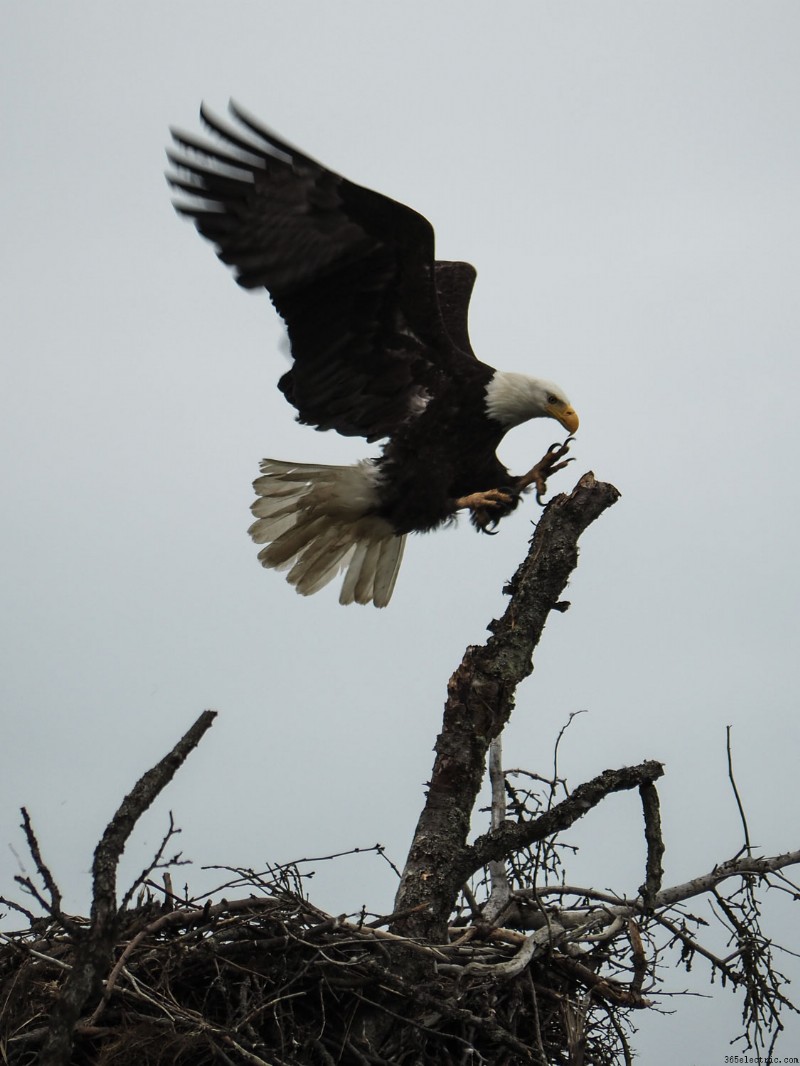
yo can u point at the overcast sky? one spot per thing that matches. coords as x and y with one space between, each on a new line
625 178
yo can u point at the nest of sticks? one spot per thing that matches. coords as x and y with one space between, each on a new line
272 980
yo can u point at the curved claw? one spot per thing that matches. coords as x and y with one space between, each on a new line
562 446
489 506
541 489
546 466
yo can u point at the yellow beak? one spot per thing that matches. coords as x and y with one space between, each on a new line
565 415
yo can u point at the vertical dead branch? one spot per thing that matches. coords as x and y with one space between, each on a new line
501 890
654 871
94 948
479 702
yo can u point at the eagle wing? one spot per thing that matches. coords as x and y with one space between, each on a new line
374 323
454 284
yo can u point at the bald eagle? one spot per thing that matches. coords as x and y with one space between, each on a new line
380 350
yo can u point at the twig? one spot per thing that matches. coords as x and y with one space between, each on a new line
623 1043
41 866
387 919
18 908
23 949
154 863
695 946
573 715
248 1056
737 797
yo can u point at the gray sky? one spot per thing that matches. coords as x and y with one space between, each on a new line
625 178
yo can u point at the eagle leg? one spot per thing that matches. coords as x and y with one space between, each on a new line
552 460
488 507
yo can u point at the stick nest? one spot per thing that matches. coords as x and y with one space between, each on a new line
273 980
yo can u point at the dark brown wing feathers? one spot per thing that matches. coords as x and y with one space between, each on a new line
351 272
454 284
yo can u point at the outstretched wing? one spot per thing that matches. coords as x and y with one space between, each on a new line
350 271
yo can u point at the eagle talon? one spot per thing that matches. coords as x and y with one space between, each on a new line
551 461
488 507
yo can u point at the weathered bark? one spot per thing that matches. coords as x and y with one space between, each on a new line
479 702
654 871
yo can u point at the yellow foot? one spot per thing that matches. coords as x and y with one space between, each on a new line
552 460
490 498
488 507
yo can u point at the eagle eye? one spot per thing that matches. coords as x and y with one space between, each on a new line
552 399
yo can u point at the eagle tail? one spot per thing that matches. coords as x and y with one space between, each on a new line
316 521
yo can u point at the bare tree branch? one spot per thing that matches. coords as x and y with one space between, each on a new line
44 871
615 906
479 703
747 864
51 906
514 835
654 871
96 943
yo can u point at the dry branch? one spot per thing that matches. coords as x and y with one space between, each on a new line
95 944
654 871
747 864
479 703
619 906
512 836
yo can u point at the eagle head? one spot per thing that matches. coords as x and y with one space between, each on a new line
512 399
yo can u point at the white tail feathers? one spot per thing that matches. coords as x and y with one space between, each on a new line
315 522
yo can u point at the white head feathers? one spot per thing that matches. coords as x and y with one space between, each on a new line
512 399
